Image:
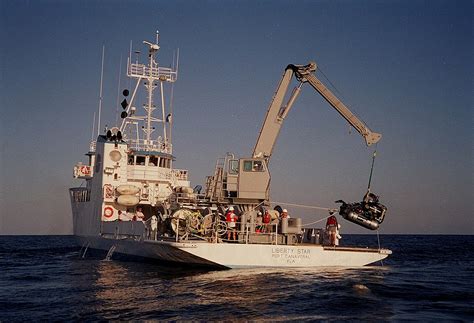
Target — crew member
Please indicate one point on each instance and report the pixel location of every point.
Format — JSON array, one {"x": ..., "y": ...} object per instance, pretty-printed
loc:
[
  {"x": 140, "y": 215},
  {"x": 153, "y": 226},
  {"x": 332, "y": 230},
  {"x": 259, "y": 222},
  {"x": 231, "y": 219},
  {"x": 284, "y": 214},
  {"x": 267, "y": 218},
  {"x": 338, "y": 236}
]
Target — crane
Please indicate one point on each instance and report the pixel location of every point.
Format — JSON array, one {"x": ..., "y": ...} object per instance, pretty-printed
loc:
[
  {"x": 277, "y": 112},
  {"x": 246, "y": 181}
]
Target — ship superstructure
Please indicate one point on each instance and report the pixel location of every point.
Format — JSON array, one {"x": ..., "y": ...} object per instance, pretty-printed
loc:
[
  {"x": 132, "y": 164},
  {"x": 132, "y": 201}
]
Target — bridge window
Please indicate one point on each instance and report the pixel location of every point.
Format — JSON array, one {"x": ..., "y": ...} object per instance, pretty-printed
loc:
[
  {"x": 165, "y": 162},
  {"x": 233, "y": 166},
  {"x": 253, "y": 166},
  {"x": 248, "y": 165},
  {"x": 140, "y": 160},
  {"x": 257, "y": 166},
  {"x": 153, "y": 161}
]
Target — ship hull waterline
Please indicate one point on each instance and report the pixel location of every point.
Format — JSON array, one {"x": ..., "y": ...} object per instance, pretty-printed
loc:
[{"x": 237, "y": 255}]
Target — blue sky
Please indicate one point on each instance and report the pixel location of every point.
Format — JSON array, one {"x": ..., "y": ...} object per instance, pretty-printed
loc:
[{"x": 405, "y": 67}]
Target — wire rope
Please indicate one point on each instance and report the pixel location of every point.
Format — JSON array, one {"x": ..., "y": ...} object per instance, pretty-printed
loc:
[
  {"x": 378, "y": 240},
  {"x": 305, "y": 206},
  {"x": 353, "y": 107},
  {"x": 331, "y": 210}
]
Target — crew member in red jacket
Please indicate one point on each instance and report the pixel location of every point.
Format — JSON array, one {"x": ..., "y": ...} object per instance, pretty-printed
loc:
[
  {"x": 267, "y": 218},
  {"x": 332, "y": 230}
]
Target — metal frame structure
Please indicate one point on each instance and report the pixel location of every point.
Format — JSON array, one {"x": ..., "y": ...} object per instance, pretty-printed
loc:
[
  {"x": 277, "y": 112},
  {"x": 152, "y": 76}
]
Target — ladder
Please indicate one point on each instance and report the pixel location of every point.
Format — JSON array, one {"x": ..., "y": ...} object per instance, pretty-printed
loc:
[{"x": 215, "y": 183}]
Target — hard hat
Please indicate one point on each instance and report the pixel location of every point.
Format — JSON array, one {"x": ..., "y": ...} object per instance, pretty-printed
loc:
[
  {"x": 259, "y": 213},
  {"x": 285, "y": 211},
  {"x": 231, "y": 208}
]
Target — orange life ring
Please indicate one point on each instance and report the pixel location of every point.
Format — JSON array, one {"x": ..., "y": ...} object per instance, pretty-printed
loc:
[{"x": 108, "y": 212}]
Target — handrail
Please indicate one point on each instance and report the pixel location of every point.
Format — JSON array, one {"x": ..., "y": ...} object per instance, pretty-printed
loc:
[
  {"x": 141, "y": 70},
  {"x": 271, "y": 230},
  {"x": 150, "y": 145}
]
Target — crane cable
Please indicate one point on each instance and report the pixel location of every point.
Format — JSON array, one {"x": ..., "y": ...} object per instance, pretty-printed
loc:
[
  {"x": 304, "y": 206},
  {"x": 320, "y": 220},
  {"x": 368, "y": 191},
  {"x": 372, "y": 168}
]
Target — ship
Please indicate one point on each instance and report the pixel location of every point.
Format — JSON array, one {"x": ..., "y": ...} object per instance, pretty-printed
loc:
[{"x": 133, "y": 202}]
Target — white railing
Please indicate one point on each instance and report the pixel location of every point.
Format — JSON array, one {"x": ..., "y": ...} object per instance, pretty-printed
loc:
[
  {"x": 161, "y": 73},
  {"x": 180, "y": 174},
  {"x": 147, "y": 145},
  {"x": 139, "y": 172},
  {"x": 80, "y": 194}
]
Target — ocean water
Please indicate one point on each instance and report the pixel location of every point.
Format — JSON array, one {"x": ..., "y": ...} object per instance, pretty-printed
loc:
[{"x": 428, "y": 278}]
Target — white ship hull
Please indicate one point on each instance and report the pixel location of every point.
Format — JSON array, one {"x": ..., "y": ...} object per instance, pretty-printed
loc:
[{"x": 235, "y": 255}]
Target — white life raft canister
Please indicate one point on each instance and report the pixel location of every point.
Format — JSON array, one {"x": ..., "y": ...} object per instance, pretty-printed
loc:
[
  {"x": 127, "y": 189},
  {"x": 128, "y": 200}
]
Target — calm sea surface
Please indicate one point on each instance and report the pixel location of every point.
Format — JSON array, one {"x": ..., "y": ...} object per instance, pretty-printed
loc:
[{"x": 428, "y": 278}]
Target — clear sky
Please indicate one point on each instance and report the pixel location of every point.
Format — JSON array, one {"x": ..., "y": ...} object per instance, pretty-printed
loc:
[{"x": 405, "y": 67}]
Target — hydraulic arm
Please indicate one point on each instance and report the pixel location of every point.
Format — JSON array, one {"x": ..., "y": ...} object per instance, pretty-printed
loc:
[{"x": 277, "y": 111}]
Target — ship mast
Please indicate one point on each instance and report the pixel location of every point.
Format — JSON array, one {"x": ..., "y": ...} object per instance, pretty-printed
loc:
[{"x": 151, "y": 76}]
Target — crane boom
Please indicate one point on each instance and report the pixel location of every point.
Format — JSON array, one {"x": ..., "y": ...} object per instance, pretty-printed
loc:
[{"x": 277, "y": 112}]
